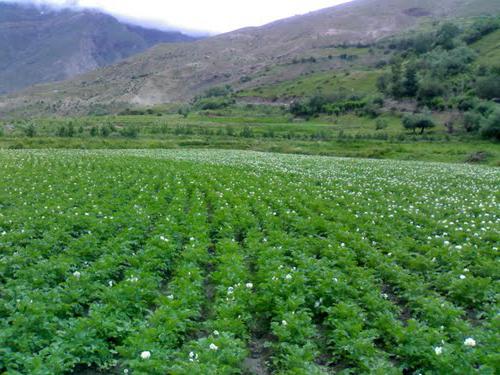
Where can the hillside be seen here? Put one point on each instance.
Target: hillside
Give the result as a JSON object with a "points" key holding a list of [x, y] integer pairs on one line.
{"points": [[43, 45], [282, 51]]}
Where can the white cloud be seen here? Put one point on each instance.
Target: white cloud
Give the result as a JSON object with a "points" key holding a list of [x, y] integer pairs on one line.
{"points": [[203, 15]]}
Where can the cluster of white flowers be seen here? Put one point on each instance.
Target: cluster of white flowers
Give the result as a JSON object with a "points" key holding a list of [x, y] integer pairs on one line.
{"points": [[164, 239], [470, 342], [193, 356], [133, 279], [249, 285], [213, 347], [146, 355], [77, 274]]}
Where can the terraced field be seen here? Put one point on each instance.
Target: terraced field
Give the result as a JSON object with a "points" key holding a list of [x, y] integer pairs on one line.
{"points": [[229, 262]]}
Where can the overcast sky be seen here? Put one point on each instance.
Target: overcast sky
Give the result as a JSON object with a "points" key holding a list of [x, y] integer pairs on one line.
{"points": [[213, 16]]}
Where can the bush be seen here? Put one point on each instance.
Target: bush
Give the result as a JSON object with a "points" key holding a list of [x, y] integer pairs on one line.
{"points": [[491, 126]]}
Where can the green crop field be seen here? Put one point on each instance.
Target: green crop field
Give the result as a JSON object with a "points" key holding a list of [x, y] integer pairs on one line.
{"points": [[234, 262]]}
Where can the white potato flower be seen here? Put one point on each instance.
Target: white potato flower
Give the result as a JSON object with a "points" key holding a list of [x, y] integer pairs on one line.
{"points": [[470, 342]]}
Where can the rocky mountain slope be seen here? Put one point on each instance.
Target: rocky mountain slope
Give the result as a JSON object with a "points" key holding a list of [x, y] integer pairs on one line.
{"points": [[43, 45]]}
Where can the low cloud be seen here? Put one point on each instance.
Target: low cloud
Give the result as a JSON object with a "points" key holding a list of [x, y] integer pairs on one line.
{"points": [[193, 16]]}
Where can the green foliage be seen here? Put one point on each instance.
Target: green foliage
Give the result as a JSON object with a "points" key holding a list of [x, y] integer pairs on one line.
{"points": [[442, 63], [30, 130], [480, 28], [410, 83], [217, 92], [491, 126], [446, 35], [130, 132], [488, 87], [222, 262], [418, 121], [472, 121], [381, 124], [430, 89], [214, 102]]}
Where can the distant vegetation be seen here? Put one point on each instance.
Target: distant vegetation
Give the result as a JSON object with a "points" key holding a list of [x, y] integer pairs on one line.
{"points": [[438, 71]]}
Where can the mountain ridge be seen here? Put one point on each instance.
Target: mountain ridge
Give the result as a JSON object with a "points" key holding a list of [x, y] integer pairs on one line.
{"points": [[242, 58], [43, 45]]}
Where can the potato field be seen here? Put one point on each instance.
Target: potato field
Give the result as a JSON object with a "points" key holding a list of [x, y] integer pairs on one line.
{"points": [[234, 262]]}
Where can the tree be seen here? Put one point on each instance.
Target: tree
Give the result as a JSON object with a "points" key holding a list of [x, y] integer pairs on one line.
{"points": [[397, 89], [419, 121], [383, 83], [410, 83], [446, 35]]}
